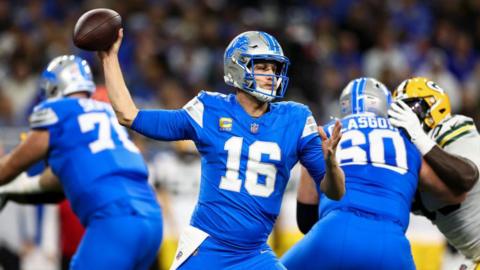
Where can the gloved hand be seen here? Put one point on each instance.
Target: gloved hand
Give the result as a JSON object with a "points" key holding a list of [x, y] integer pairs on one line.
{"points": [[402, 116]]}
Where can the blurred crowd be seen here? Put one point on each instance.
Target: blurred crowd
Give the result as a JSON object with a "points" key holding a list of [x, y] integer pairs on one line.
{"points": [[174, 48]]}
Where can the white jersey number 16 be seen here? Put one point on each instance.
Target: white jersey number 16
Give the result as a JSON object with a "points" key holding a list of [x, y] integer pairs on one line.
{"points": [[255, 167]]}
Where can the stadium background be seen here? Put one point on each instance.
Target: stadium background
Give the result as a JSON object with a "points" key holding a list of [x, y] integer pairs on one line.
{"points": [[173, 49]]}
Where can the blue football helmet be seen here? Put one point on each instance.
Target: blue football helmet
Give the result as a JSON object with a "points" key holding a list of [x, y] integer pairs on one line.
{"points": [[240, 57], [365, 95], [65, 75]]}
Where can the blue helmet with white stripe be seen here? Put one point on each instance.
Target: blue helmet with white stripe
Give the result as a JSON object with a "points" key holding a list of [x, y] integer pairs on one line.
{"points": [[65, 75], [365, 95], [240, 57]]}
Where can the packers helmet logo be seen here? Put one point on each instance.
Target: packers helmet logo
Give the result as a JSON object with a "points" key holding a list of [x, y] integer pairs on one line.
{"points": [[427, 96], [434, 86]]}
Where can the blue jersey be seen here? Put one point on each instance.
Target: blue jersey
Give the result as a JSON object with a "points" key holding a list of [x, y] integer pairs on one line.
{"points": [[91, 154], [381, 168], [246, 161]]}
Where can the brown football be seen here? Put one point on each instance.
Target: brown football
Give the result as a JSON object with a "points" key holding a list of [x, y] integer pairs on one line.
{"points": [[97, 29]]}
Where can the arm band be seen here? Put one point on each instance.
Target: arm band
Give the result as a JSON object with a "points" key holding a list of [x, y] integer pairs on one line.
{"points": [[37, 198], [307, 216]]}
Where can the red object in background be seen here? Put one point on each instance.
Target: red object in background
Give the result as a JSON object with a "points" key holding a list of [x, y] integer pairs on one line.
{"points": [[101, 94], [71, 231]]}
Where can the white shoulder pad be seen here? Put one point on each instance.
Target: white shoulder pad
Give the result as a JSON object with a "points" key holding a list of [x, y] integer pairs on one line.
{"points": [[214, 94], [43, 118], [195, 109], [310, 126], [453, 128]]}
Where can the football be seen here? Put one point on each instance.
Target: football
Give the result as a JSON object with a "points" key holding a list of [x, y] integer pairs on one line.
{"points": [[97, 29]]}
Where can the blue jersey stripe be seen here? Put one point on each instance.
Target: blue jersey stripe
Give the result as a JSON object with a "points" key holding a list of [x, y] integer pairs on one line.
{"points": [[82, 70], [389, 97], [271, 43], [361, 90], [354, 96]]}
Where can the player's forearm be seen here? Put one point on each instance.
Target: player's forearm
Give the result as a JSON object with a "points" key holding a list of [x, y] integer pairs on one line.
{"points": [[10, 168], [333, 184], [118, 93], [307, 189], [27, 153], [458, 173], [5, 171], [431, 183]]}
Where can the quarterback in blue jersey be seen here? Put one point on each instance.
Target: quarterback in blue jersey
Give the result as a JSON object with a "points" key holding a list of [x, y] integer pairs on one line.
{"points": [[248, 146], [100, 170], [366, 228]]}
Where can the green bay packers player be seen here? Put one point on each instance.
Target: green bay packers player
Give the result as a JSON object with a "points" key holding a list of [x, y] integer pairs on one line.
{"points": [[450, 144]]}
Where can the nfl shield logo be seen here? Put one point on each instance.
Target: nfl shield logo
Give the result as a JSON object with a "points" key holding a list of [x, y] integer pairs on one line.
{"points": [[179, 255], [254, 128]]}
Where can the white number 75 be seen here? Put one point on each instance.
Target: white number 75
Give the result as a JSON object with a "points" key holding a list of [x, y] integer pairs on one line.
{"points": [[105, 123]]}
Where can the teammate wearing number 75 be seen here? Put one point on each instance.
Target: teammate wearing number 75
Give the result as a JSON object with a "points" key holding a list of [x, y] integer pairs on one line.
{"points": [[366, 228], [102, 173], [248, 146]]}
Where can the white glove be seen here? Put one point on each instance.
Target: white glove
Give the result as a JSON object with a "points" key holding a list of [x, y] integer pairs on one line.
{"points": [[23, 184], [402, 116]]}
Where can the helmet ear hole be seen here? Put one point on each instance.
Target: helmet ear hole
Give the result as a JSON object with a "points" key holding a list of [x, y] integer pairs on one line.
{"points": [[246, 61], [249, 64], [442, 110]]}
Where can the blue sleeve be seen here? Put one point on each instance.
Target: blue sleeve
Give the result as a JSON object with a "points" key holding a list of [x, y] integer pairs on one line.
{"points": [[167, 125], [311, 157]]}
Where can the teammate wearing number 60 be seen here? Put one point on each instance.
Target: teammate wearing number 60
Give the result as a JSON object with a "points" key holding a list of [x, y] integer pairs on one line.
{"points": [[101, 171], [248, 145], [366, 228]]}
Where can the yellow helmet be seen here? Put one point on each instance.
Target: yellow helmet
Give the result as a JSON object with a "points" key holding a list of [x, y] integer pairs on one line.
{"points": [[426, 98]]}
